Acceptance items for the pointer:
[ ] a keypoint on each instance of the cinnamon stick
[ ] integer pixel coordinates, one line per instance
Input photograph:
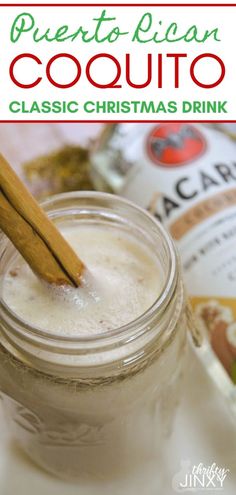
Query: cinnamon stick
(33, 234)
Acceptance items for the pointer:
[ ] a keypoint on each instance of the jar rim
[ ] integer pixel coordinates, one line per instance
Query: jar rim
(131, 330)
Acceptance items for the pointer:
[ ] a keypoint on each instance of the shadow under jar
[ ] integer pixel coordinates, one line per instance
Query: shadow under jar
(96, 406)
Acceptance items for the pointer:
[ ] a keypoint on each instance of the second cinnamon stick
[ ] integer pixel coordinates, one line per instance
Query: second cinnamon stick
(33, 234)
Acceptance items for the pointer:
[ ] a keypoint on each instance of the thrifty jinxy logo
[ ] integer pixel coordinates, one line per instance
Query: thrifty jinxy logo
(199, 477)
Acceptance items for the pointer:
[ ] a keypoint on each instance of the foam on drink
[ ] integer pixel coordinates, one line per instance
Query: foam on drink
(122, 281)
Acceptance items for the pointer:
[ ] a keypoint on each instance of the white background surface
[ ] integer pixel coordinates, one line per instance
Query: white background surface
(207, 18)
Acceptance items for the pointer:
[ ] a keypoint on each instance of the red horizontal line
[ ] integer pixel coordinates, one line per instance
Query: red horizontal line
(118, 5)
(113, 121)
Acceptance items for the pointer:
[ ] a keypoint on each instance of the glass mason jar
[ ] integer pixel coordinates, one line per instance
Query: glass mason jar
(99, 406)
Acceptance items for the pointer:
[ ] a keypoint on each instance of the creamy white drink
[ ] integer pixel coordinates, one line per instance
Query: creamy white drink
(122, 280)
(90, 376)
